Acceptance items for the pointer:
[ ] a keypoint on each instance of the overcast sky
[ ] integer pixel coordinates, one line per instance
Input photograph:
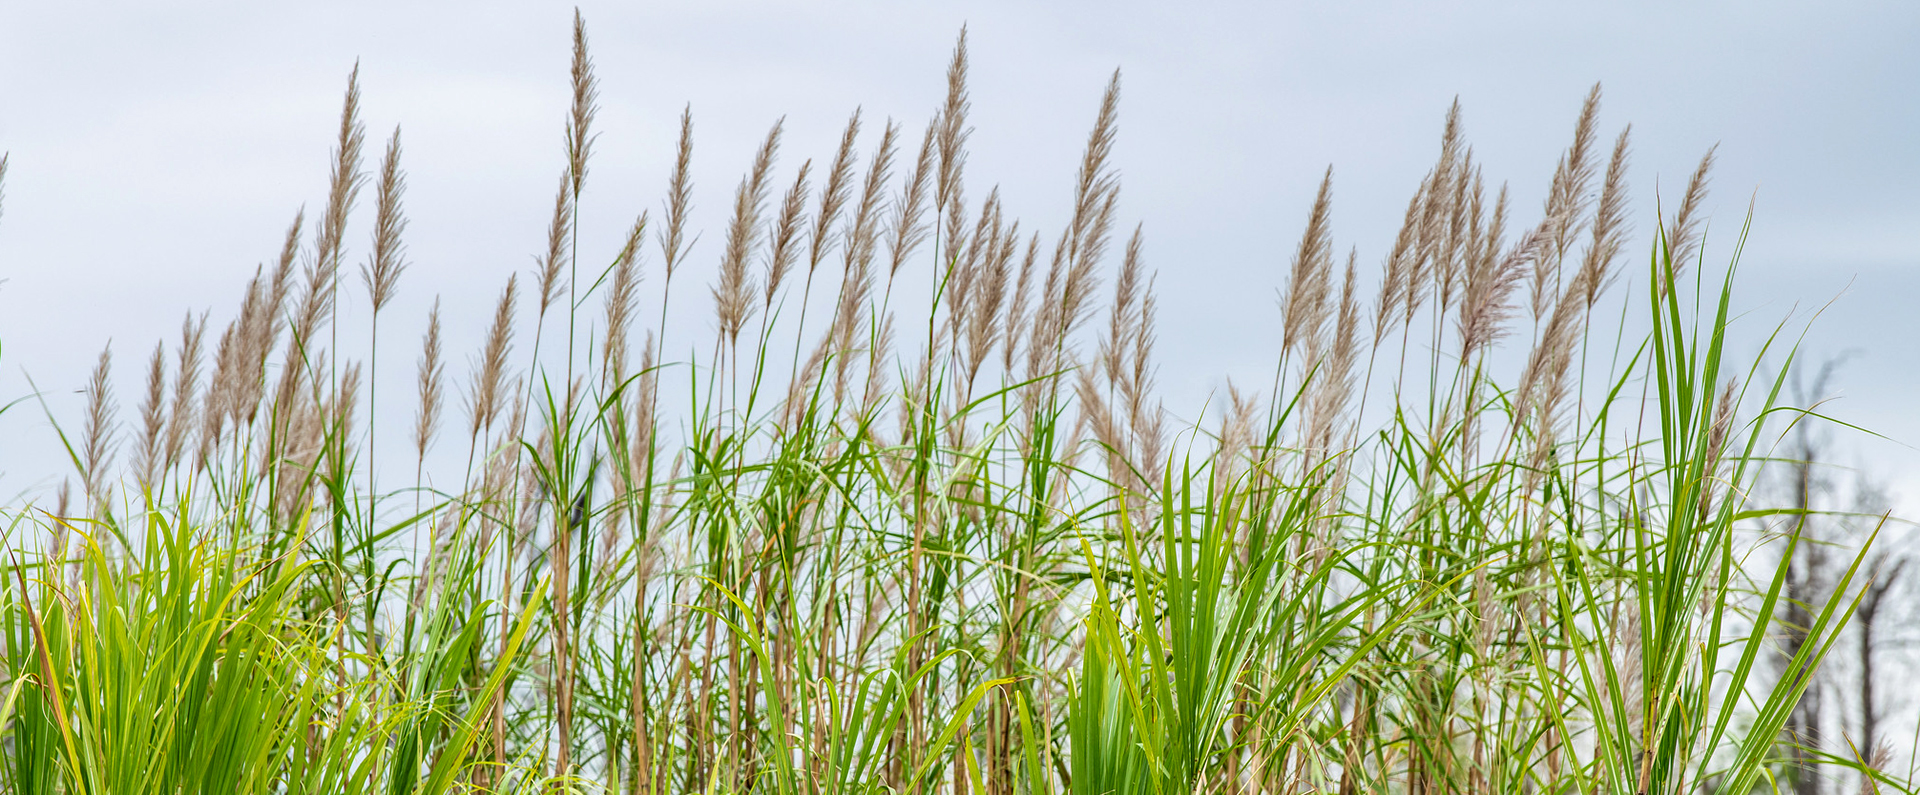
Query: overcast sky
(157, 156)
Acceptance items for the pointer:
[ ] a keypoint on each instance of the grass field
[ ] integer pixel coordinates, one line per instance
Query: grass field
(948, 543)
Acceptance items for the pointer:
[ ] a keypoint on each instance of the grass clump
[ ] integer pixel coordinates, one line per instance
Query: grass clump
(947, 542)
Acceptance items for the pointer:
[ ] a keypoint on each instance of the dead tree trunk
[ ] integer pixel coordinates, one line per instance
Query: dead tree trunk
(1867, 616)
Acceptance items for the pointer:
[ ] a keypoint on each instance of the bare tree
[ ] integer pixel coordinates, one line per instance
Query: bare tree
(1807, 578)
(1869, 617)
(1877, 617)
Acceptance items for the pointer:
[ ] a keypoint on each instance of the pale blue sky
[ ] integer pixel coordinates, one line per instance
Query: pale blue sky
(158, 154)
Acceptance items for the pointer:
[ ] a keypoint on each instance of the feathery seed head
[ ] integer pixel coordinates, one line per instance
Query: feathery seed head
(679, 199)
(1094, 196)
(322, 271)
(1567, 198)
(559, 233)
(1395, 287)
(1309, 282)
(863, 231)
(1683, 234)
(834, 198)
(953, 142)
(186, 384)
(909, 226)
(1333, 382)
(1082, 278)
(1437, 210)
(856, 287)
(252, 344)
(1096, 176)
(1609, 224)
(1485, 305)
(283, 271)
(1463, 215)
(153, 417)
(786, 233)
(1544, 382)
(962, 269)
(383, 271)
(1880, 761)
(1125, 313)
(953, 123)
(640, 441)
(733, 296)
(989, 294)
(97, 445)
(341, 195)
(586, 95)
(431, 377)
(620, 301)
(485, 397)
(346, 400)
(1048, 325)
(1017, 319)
(213, 409)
